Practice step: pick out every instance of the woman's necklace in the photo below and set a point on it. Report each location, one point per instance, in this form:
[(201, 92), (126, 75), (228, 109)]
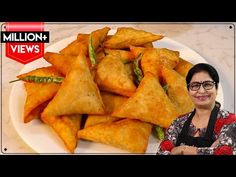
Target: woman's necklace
[(198, 130)]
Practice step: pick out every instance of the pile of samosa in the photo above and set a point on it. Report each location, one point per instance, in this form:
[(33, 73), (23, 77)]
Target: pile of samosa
[(117, 110)]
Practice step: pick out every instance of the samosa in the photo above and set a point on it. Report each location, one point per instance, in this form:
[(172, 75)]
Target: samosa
[(149, 103), (81, 43), (169, 58), (39, 93), (98, 36), (66, 127), (82, 37), (100, 54), (61, 62), (127, 134), (126, 36), (154, 58), (151, 62), (78, 93), (76, 47), (43, 71), (183, 67), (111, 102), (125, 56), (33, 113), (147, 45), (136, 51), (130, 70), (112, 76), (177, 90)]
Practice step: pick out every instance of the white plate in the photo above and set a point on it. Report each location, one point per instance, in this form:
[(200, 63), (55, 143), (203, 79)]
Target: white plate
[(43, 139)]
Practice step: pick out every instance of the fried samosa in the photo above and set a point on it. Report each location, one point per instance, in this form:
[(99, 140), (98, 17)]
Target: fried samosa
[(149, 103), (112, 76), (76, 47), (183, 67), (61, 62), (99, 36), (78, 93), (177, 90), (136, 51), (66, 127), (130, 135), (81, 43), (151, 62), (154, 58), (43, 71), (126, 36), (111, 102), (38, 93), (124, 55), (169, 58)]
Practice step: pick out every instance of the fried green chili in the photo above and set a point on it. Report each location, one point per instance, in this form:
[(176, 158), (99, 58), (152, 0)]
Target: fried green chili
[(92, 54), (137, 71), (40, 79)]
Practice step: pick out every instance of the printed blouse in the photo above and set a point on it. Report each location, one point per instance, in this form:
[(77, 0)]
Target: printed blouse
[(224, 135)]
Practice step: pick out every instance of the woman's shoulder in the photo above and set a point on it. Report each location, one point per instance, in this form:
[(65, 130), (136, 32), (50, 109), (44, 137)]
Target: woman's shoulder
[(182, 118), (224, 118), (177, 124), (224, 114)]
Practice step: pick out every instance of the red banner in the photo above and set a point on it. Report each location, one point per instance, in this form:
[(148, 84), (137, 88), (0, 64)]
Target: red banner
[(24, 52)]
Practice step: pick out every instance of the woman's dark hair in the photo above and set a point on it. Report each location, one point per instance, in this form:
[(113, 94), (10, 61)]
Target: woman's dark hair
[(203, 67)]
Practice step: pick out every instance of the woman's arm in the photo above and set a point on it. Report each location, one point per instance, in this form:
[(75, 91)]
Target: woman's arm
[(184, 150), (225, 144), (171, 136)]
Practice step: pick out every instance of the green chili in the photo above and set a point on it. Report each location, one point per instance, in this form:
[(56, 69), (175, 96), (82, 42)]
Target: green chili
[(165, 88), (40, 79), (92, 54), (159, 132), (125, 61), (137, 71)]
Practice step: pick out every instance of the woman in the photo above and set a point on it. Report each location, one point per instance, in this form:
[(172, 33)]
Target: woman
[(207, 130)]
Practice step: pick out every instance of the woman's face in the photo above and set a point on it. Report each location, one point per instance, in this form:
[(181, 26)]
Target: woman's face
[(202, 98)]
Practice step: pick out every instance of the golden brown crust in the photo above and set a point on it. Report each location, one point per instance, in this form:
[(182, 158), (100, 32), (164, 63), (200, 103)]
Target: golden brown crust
[(131, 135), (149, 103), (78, 93)]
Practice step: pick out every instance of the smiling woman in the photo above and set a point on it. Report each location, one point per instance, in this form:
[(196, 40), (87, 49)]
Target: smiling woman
[(207, 130)]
